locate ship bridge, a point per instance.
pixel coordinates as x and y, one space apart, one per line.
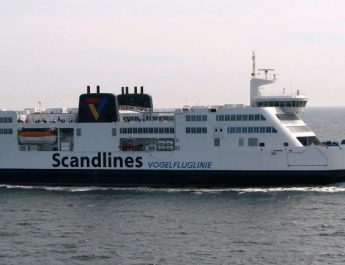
288 103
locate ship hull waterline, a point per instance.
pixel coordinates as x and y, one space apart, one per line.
165 178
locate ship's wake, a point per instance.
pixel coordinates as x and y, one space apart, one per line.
313 189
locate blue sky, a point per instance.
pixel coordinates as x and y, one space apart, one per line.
183 52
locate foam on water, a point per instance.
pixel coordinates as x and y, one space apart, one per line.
320 189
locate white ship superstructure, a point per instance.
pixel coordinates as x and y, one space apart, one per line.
121 141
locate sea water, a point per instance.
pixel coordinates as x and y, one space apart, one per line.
92 225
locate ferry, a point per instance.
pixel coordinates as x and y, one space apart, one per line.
121 140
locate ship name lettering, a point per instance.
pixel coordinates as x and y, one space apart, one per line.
182 165
102 159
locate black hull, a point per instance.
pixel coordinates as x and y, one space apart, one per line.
165 178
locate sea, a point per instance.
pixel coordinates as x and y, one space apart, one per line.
93 225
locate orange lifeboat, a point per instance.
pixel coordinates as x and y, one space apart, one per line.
37 137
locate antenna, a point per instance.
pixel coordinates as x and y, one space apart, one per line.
266 70
253 59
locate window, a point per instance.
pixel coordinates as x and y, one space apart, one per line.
298 129
6 119
308 140
140 130
252 141
6 131
241 117
113 131
216 142
199 117
78 132
196 130
287 117
255 129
